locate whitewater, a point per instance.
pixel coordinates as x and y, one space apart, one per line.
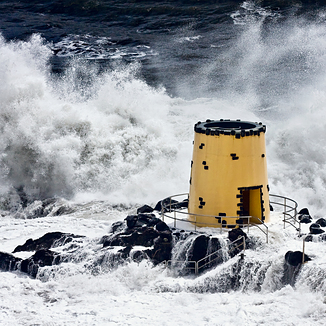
104 142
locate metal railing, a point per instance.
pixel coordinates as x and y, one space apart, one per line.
289 211
169 205
208 260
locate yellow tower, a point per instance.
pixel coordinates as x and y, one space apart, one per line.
229 174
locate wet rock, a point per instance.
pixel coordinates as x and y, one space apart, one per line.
41 258
182 204
235 234
213 245
294 258
145 209
315 237
165 202
304 216
143 237
47 241
118 227
125 251
162 226
131 221
236 238
8 262
213 257
162 248
141 220
305 219
315 229
292 265
140 255
308 238
304 211
321 222
199 248
144 230
171 204
203 249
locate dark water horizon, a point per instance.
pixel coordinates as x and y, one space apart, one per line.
168 38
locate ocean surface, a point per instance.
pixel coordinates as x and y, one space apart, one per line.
98 100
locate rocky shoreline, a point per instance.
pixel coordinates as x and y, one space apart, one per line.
144 236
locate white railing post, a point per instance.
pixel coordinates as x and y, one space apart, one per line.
303 248
175 218
284 211
170 204
248 223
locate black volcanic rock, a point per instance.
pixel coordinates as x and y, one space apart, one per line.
204 249
125 251
141 220
8 262
138 237
162 248
199 248
321 222
294 258
292 266
315 229
143 237
304 216
308 238
131 221
145 209
304 211
235 234
144 230
171 204
306 219
41 258
47 241
162 226
236 238
118 226
165 202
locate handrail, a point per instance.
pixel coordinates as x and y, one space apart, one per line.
168 207
289 211
214 253
197 265
170 262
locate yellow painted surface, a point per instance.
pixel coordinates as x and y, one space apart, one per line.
217 179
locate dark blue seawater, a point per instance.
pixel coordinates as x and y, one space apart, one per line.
170 39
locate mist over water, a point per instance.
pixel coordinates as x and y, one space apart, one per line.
60 137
